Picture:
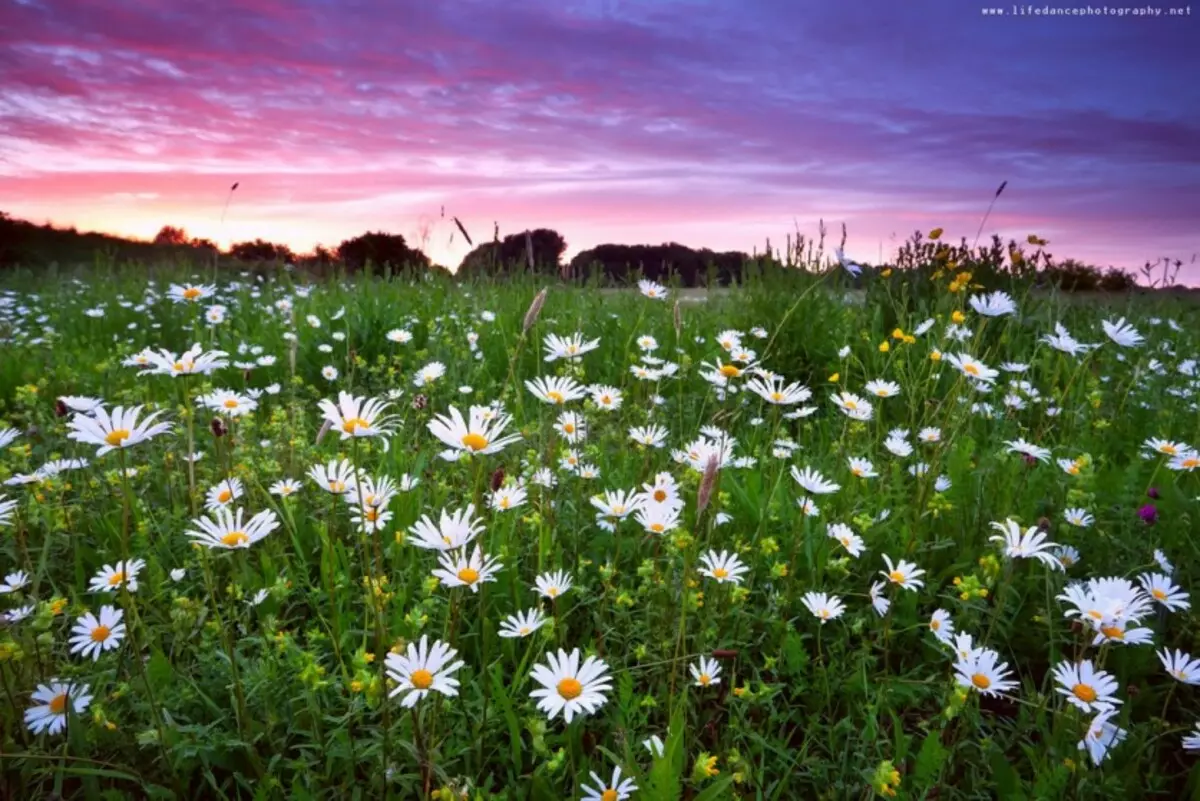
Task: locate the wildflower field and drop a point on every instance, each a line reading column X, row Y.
column 414, row 538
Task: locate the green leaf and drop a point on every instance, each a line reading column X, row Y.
column 159, row 671
column 715, row 790
column 510, row 716
column 666, row 775
column 1008, row 783
column 930, row 759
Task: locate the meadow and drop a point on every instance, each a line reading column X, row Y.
column 418, row 538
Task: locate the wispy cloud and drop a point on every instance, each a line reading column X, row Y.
column 711, row 123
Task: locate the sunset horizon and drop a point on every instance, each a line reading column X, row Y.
column 607, row 122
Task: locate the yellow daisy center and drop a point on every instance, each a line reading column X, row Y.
column 1073, row 469
column 230, row 403
column 117, row 436
column 354, row 423
column 981, row 681
column 235, row 538
column 730, row 371
column 1113, row 632
column 371, row 514
column 858, row 471
column 225, row 496
column 657, row 528
column 660, row 495
column 555, row 396
column 936, row 625
column 421, row 679
column 191, row 293
column 1084, row 693
column 881, row 393
column 474, row 442
column 116, row 578
column 777, row 396
column 1190, row 463
column 100, row 633
column 552, row 592
column 896, row 576
column 705, row 679
column 58, row 704
column 720, row 573
column 1158, row 594
column 611, row 795
column 568, row 428
column 850, row 403
column 468, row 575
column 570, row 688
column 337, row 486
column 606, row 400
column 524, row 631
column 1167, row 449
column 971, row 368
column 1096, row 614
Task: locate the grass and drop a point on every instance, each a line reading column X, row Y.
column 260, row 672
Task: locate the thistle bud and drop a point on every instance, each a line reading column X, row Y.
column 497, row 479
column 217, row 426
column 535, row 308
column 1043, row 523
column 419, row 402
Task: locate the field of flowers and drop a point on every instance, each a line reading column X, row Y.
column 424, row 539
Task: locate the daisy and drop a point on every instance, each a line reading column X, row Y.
column 1028, row 450
column 774, row 391
column 507, row 498
column 552, row 585
column 459, row 571
column 862, row 468
column 570, row 348
column 616, row 505
column 1164, row 592
column 824, row 607
column 358, row 417
column 1101, row 735
column 1189, row 460
column 92, row 636
column 120, row 429
column 1165, row 447
column 228, row 402
column 14, row 582
column 1030, row 544
column 658, row 518
column 556, row 390
column 983, row 671
column 663, row 491
column 335, row 477
column 706, row 672
column 942, row 626
column 813, row 482
column 50, row 713
column 195, row 361
column 971, row 367
column 1122, row 333
column 81, row 404
column 421, row 670
column 285, row 487
column 879, row 601
column 522, row 624
column 399, row 335
column 453, row 530
column 904, row 574
column 883, row 389
column 1192, row 741
column 652, row 290
column 329, row 372
column 1085, row 687
column 898, row 446
column 997, row 304
column 223, row 494
column 429, row 374
column 723, row 567
column 852, row 405
column 848, row 539
column 572, row 426
column 655, row 746
column 1078, row 517
column 1181, row 666
column 615, row 790
column 228, row 530
column 190, row 293
column 1067, row 556
column 1163, row 563
column 606, row 398
column 8, row 436
column 569, row 687
column 479, row 434
column 111, row 577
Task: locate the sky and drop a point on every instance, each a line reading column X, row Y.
column 714, row 124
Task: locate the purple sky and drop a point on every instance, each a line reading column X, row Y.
column 710, row 123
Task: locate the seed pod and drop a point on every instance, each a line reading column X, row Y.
column 217, row 426
column 535, row 308
column 724, row 653
column 498, row 479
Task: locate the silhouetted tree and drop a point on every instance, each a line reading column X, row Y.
column 621, row 263
column 261, row 250
column 171, row 235
column 512, row 253
column 380, row 250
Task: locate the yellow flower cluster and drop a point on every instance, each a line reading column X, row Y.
column 886, row 779
column 961, row 281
